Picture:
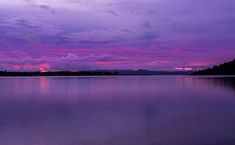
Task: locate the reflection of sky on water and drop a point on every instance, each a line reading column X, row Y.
column 135, row 110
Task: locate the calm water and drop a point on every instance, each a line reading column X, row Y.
column 135, row 110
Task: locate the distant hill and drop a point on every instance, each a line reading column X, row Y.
column 227, row 68
column 149, row 72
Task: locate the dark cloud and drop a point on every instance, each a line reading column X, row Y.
column 45, row 7
column 112, row 12
column 109, row 57
column 147, row 25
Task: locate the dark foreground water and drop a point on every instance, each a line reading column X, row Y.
column 134, row 110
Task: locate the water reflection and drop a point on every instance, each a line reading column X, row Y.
column 44, row 83
column 148, row 110
column 226, row 82
column 208, row 82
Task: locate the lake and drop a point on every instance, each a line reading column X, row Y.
column 117, row 110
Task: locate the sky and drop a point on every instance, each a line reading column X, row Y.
column 115, row 34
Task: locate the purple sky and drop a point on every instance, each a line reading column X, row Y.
column 115, row 34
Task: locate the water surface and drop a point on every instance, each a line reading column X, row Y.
column 119, row 110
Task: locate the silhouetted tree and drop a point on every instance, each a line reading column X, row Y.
column 227, row 68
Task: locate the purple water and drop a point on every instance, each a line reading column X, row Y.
column 122, row 110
